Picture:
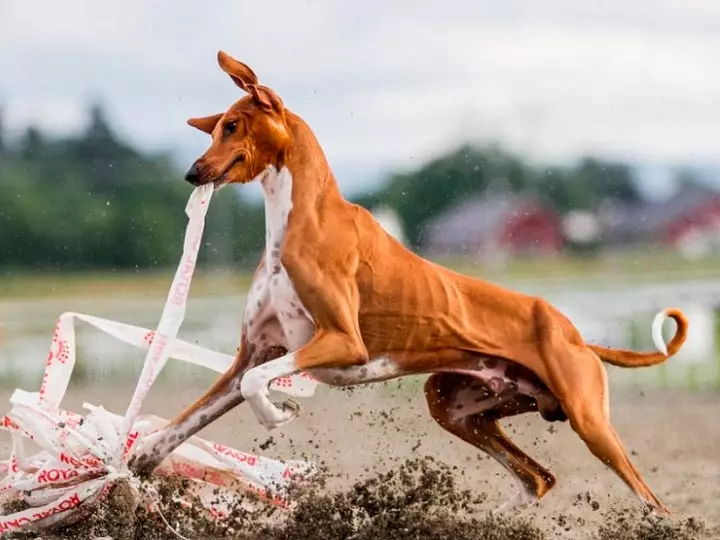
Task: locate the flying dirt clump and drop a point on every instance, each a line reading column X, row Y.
column 631, row 523
column 418, row 500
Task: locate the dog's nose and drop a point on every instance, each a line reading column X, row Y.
column 193, row 174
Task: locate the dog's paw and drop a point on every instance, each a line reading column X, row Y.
column 290, row 406
column 280, row 414
column 519, row 503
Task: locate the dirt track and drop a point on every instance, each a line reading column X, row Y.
column 674, row 439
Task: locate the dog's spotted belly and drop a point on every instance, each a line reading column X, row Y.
column 492, row 382
column 500, row 381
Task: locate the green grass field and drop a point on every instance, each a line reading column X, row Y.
column 628, row 267
column 631, row 266
column 23, row 285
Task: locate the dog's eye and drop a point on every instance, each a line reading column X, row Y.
column 230, row 127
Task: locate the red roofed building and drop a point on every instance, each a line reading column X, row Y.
column 490, row 226
column 688, row 222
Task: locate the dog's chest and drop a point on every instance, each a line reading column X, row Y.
column 273, row 296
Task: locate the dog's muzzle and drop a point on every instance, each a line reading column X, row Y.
column 194, row 174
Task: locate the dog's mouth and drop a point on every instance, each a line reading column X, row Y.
column 222, row 179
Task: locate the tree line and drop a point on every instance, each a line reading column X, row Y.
column 93, row 200
column 420, row 194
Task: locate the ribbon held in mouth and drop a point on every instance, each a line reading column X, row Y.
column 82, row 456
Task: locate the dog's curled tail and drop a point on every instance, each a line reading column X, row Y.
column 633, row 359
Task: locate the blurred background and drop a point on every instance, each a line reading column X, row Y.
column 559, row 148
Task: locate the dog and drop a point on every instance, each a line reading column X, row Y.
column 337, row 297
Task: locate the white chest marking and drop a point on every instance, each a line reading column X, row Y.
column 272, row 294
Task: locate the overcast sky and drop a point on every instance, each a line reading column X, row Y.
column 384, row 84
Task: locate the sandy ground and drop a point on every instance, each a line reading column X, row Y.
column 674, row 439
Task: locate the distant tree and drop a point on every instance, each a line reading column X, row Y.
column 367, row 200
column 234, row 231
column 557, row 185
column 608, row 180
column 585, row 185
column 32, row 144
column 99, row 126
column 421, row 194
column 2, row 133
column 94, row 201
column 425, row 192
column 687, row 178
column 106, row 160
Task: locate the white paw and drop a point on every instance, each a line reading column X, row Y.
column 520, row 502
column 275, row 417
column 252, row 384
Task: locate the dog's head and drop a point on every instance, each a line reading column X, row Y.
column 247, row 138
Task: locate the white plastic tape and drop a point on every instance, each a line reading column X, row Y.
column 83, row 455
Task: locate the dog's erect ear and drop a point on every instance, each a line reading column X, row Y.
column 241, row 74
column 206, row 123
column 266, row 98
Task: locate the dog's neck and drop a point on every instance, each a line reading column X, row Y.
column 312, row 179
column 299, row 191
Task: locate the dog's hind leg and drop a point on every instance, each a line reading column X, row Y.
column 450, row 395
column 586, row 408
column 580, row 384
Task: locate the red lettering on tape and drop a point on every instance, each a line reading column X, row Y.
column 7, row 423
column 63, row 506
column 87, row 461
column 56, row 475
column 10, row 524
column 235, row 454
column 131, row 440
column 191, row 471
column 181, row 288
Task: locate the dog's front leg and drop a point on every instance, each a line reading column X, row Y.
column 261, row 342
column 254, row 388
column 222, row 397
column 325, row 350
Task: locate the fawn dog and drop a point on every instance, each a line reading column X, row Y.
column 337, row 297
